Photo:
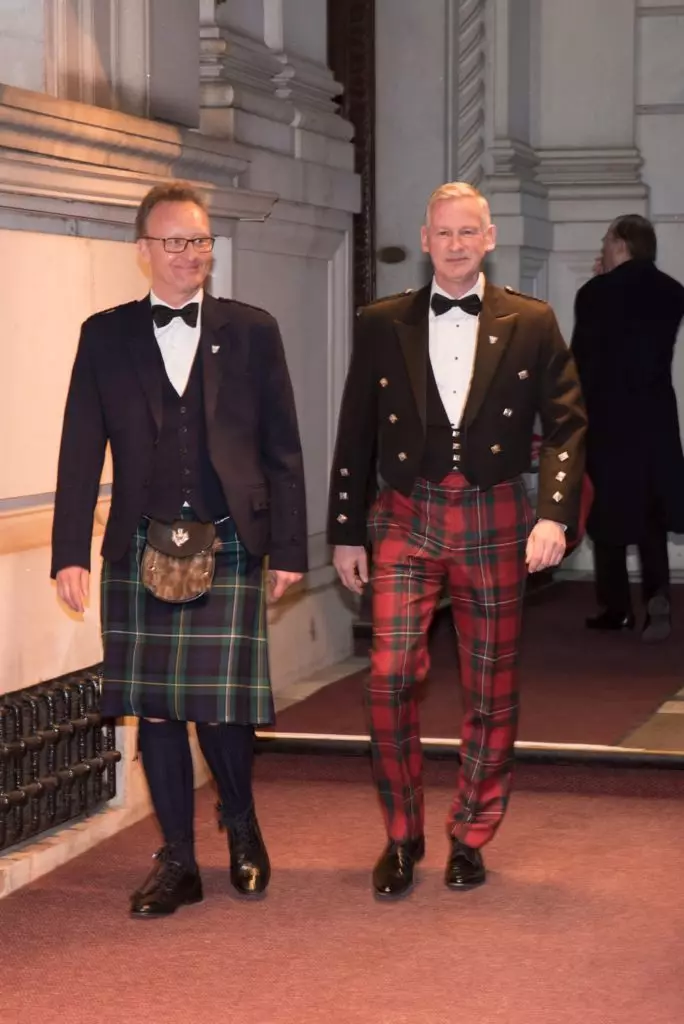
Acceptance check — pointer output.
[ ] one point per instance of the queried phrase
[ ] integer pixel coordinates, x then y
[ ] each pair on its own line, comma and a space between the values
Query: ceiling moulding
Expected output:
75, 152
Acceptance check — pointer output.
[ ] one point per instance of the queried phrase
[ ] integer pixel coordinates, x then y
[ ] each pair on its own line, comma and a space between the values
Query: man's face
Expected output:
613, 252
457, 242
176, 277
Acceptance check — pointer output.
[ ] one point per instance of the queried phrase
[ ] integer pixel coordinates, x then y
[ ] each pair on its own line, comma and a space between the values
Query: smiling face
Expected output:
457, 237
176, 277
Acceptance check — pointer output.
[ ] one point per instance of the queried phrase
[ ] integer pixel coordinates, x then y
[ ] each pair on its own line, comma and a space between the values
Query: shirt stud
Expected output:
402, 456
341, 518
383, 382
392, 418
558, 496
493, 339
344, 496
344, 472
560, 477
495, 449
563, 457
523, 375
508, 412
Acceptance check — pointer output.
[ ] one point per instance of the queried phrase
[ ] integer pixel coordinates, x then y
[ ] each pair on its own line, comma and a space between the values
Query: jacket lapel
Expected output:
146, 357
494, 332
213, 340
414, 338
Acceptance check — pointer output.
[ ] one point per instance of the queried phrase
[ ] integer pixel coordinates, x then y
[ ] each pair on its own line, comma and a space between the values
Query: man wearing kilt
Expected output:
441, 399
194, 396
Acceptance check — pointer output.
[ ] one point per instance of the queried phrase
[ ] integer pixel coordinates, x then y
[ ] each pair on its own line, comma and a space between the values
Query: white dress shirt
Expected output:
178, 343
453, 342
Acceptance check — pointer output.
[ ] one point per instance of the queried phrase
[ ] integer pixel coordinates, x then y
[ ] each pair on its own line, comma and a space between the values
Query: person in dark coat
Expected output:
626, 323
193, 395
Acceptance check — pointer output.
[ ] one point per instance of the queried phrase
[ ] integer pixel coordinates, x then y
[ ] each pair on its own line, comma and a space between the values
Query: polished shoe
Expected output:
465, 868
393, 873
250, 868
611, 621
658, 624
169, 885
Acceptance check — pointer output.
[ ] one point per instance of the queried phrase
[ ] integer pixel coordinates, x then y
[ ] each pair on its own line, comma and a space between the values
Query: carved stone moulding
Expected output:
61, 150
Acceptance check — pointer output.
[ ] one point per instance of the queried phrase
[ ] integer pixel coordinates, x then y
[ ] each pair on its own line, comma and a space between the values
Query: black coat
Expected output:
626, 324
523, 368
115, 396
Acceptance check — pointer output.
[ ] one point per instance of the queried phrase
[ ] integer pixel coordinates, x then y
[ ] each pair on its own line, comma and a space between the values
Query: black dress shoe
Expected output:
611, 621
250, 868
465, 868
393, 873
658, 624
169, 885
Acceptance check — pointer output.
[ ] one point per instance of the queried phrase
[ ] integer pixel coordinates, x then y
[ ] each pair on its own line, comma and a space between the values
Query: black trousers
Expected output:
610, 564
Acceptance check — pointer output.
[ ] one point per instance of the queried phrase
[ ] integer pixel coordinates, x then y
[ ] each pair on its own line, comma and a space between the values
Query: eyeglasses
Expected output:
204, 244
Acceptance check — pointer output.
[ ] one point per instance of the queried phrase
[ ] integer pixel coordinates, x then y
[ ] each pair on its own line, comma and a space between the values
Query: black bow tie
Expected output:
163, 315
469, 304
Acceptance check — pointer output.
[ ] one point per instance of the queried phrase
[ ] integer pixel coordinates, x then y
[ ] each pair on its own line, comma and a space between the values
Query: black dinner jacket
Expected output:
523, 368
115, 396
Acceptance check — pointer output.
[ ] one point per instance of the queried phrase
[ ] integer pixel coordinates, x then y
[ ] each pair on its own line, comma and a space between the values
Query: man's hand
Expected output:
351, 562
279, 581
73, 587
545, 546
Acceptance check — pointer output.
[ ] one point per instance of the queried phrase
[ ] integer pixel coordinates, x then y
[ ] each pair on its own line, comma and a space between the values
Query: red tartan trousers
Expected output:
475, 541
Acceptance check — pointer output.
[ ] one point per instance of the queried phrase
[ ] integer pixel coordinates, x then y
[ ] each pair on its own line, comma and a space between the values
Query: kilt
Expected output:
204, 661
475, 540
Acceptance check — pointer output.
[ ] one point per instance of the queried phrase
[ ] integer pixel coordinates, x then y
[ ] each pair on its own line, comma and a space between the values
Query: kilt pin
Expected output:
475, 541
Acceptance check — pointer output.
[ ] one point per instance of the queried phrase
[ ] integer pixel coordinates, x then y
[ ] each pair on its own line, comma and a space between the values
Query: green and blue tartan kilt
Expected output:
204, 661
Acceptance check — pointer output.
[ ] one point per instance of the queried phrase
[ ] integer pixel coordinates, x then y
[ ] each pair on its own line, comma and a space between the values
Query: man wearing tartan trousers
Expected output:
194, 397
440, 402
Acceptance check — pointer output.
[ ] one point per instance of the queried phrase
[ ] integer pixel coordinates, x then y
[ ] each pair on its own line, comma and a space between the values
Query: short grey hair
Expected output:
459, 190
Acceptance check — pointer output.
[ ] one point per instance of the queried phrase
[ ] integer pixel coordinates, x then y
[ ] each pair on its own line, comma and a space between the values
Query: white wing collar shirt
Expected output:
453, 341
178, 342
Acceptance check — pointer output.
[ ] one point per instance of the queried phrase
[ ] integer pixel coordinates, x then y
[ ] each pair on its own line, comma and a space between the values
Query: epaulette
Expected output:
247, 305
523, 295
384, 298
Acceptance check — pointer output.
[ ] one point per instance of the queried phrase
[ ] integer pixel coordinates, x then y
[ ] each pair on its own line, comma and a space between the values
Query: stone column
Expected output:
584, 131
517, 198
265, 81
137, 56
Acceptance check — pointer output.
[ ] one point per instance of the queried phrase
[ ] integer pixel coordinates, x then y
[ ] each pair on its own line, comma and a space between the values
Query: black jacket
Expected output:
523, 368
115, 396
626, 324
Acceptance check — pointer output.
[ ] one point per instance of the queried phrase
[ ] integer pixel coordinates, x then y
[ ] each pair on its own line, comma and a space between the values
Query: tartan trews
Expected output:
474, 541
205, 661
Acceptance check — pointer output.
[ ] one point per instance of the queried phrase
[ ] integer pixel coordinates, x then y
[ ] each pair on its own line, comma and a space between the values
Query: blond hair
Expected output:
458, 190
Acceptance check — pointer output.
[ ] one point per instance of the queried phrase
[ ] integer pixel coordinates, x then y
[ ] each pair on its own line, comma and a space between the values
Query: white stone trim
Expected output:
470, 85
339, 334
60, 158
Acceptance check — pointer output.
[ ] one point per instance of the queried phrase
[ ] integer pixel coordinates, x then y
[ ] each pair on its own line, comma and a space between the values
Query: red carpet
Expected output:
581, 921
577, 686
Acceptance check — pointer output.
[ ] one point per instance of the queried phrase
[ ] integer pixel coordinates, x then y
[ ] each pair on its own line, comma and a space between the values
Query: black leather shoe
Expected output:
169, 885
250, 868
658, 624
465, 868
611, 621
393, 873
